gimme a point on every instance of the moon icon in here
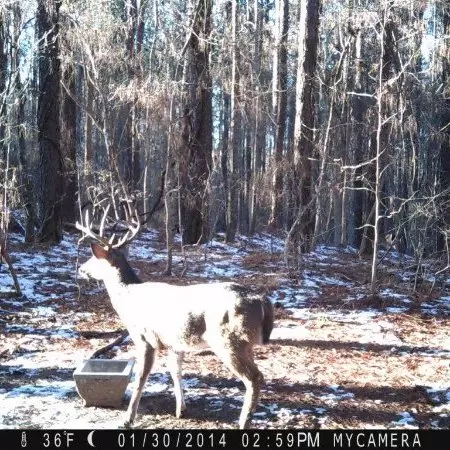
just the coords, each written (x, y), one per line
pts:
(89, 438)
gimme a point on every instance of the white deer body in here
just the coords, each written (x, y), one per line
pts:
(222, 316)
(163, 312)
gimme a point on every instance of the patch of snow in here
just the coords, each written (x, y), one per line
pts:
(290, 297)
(63, 331)
(35, 361)
(396, 309)
(445, 408)
(337, 395)
(269, 242)
(43, 311)
(324, 280)
(308, 282)
(329, 253)
(439, 306)
(191, 383)
(43, 388)
(216, 270)
(392, 294)
(293, 332)
(155, 388)
(440, 395)
(406, 420)
(357, 317)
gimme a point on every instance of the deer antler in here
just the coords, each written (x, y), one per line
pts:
(132, 222)
(87, 228)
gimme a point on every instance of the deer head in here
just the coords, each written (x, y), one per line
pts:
(108, 260)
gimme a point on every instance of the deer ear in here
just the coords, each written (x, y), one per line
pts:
(98, 251)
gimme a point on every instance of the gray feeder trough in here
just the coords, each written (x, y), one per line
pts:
(102, 382)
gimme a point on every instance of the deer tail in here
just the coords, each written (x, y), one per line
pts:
(267, 322)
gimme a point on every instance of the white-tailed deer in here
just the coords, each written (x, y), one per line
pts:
(223, 316)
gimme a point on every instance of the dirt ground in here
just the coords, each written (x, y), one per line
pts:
(339, 358)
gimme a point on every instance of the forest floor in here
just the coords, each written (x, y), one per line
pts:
(338, 357)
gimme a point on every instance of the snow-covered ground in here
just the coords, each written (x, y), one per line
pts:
(308, 380)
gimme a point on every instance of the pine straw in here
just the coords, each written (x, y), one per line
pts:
(382, 381)
(375, 382)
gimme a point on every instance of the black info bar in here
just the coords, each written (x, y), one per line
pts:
(224, 439)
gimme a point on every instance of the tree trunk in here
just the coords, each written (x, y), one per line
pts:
(3, 75)
(276, 217)
(197, 144)
(258, 129)
(358, 108)
(247, 178)
(224, 153)
(88, 153)
(302, 231)
(235, 131)
(69, 145)
(48, 115)
(26, 167)
(136, 147)
(444, 241)
(171, 192)
(387, 46)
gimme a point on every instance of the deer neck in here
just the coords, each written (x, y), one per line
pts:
(119, 281)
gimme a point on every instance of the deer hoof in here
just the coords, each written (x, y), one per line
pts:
(127, 424)
(179, 412)
(244, 425)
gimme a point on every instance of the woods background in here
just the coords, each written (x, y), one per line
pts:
(326, 120)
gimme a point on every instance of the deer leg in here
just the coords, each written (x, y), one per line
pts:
(146, 357)
(253, 387)
(175, 361)
(239, 359)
